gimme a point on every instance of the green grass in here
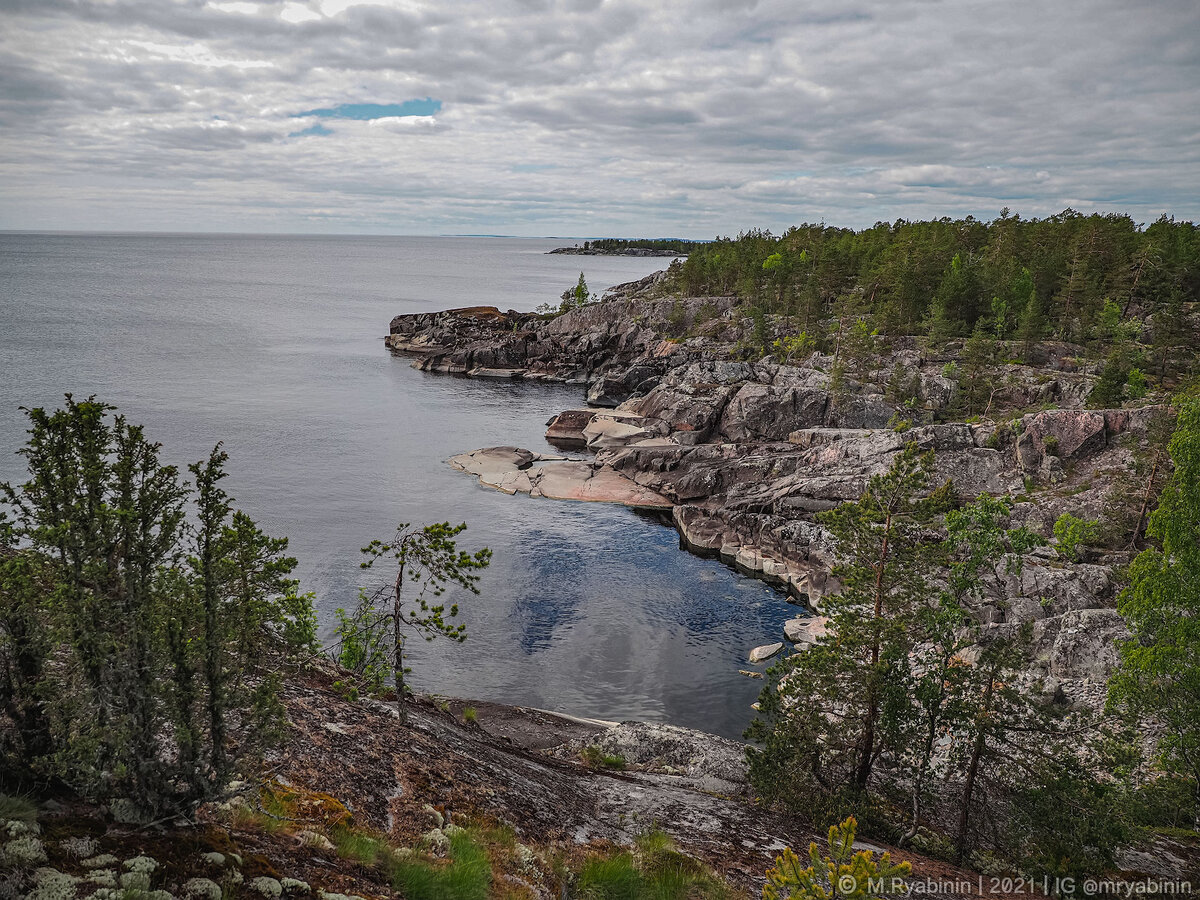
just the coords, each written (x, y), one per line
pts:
(655, 871)
(357, 845)
(17, 809)
(468, 877)
(598, 759)
(470, 715)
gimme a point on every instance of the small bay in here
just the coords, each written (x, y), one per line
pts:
(271, 344)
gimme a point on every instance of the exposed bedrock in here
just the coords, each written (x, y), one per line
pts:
(744, 454)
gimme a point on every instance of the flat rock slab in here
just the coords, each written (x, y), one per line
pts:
(515, 470)
(494, 460)
(806, 629)
(765, 652)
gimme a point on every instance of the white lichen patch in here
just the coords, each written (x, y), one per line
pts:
(294, 886)
(143, 865)
(136, 881)
(268, 887)
(201, 889)
(51, 884)
(23, 851)
(327, 895)
(16, 828)
(316, 841)
(436, 840)
(526, 859)
(96, 862)
(80, 847)
(215, 859)
(102, 877)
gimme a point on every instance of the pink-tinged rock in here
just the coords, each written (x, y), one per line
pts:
(515, 470)
(806, 629)
(1078, 432)
(566, 429)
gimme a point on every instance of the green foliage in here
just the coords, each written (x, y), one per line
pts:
(1159, 674)
(470, 715)
(842, 873)
(1136, 386)
(793, 347)
(17, 809)
(595, 757)
(142, 619)
(827, 713)
(1072, 534)
(579, 296)
(468, 877)
(362, 649)
(427, 562)
(616, 244)
(1110, 388)
(357, 845)
(1078, 277)
(655, 871)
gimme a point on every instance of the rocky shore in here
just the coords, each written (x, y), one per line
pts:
(742, 454)
(625, 251)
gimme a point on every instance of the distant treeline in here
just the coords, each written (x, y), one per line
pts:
(617, 245)
(1063, 277)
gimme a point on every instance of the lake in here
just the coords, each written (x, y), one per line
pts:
(272, 344)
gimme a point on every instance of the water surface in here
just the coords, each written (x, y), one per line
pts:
(273, 345)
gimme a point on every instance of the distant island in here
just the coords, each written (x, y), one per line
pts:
(631, 247)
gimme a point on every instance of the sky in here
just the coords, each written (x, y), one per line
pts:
(591, 117)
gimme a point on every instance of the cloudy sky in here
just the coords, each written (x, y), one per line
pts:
(590, 117)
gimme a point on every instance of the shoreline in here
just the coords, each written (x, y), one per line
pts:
(744, 454)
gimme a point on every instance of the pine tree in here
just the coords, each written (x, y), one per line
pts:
(827, 713)
(1159, 674)
(428, 562)
(146, 667)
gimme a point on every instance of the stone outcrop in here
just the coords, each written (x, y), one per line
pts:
(746, 453)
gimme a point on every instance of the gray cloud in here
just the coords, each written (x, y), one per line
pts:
(592, 117)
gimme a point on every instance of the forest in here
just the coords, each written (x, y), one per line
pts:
(1112, 287)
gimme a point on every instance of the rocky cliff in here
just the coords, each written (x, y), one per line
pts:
(743, 453)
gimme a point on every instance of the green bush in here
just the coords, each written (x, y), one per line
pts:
(1071, 534)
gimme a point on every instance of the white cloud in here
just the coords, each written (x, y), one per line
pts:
(299, 12)
(576, 115)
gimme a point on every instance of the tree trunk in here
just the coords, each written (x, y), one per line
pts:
(867, 757)
(398, 648)
(964, 814)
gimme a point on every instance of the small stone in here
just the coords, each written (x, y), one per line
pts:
(765, 652)
(125, 812)
(215, 859)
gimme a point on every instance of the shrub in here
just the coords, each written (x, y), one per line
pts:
(1071, 534)
(843, 873)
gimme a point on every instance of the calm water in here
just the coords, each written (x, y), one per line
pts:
(272, 345)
